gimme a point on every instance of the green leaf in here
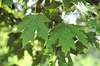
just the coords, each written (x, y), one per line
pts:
(65, 34)
(25, 1)
(45, 60)
(98, 28)
(66, 2)
(70, 62)
(32, 23)
(79, 34)
(7, 2)
(66, 39)
(92, 39)
(56, 32)
(61, 63)
(61, 59)
(83, 1)
(37, 59)
(94, 23)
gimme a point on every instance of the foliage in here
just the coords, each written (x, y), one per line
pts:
(40, 30)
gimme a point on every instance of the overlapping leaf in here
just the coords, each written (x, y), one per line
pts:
(32, 23)
(65, 34)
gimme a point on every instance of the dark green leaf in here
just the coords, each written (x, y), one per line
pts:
(92, 39)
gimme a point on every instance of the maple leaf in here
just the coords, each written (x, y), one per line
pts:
(65, 34)
(32, 23)
(79, 34)
(65, 37)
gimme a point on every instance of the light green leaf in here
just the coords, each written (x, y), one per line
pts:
(32, 23)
